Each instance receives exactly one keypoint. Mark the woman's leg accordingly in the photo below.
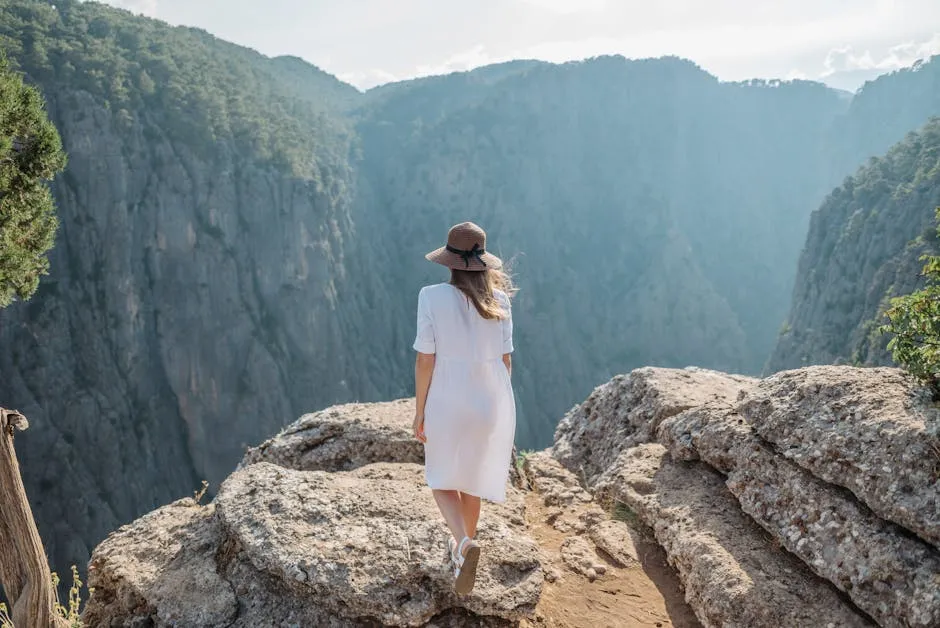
(451, 507)
(470, 506)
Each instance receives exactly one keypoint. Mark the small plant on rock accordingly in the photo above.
(201, 492)
(619, 511)
(520, 458)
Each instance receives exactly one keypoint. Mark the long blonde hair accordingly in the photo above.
(480, 287)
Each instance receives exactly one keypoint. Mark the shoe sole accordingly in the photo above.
(468, 571)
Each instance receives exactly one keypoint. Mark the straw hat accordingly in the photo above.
(465, 249)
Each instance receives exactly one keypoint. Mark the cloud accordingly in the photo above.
(466, 60)
(366, 79)
(567, 7)
(847, 59)
(904, 55)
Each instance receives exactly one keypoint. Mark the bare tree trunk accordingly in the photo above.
(24, 570)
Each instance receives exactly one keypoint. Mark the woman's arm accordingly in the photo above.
(424, 367)
(507, 360)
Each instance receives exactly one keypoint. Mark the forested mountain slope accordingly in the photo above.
(864, 247)
(632, 190)
(881, 114)
(189, 307)
(242, 238)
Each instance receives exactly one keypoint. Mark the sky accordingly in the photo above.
(370, 42)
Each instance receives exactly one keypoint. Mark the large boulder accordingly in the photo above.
(626, 411)
(371, 544)
(889, 574)
(734, 577)
(715, 464)
(330, 523)
(872, 431)
(161, 570)
(312, 548)
(344, 437)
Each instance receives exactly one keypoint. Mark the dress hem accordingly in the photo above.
(499, 500)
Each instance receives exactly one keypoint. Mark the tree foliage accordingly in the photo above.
(863, 248)
(914, 319)
(198, 89)
(30, 155)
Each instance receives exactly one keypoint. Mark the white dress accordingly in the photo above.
(470, 414)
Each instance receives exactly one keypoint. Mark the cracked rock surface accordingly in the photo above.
(358, 542)
(872, 431)
(744, 484)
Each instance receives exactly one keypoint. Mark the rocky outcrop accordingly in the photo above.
(357, 542)
(627, 410)
(753, 458)
(872, 431)
(330, 523)
(285, 547)
(883, 570)
(733, 576)
(760, 494)
(344, 437)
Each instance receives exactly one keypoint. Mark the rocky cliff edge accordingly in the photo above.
(671, 497)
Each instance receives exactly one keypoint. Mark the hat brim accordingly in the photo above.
(445, 258)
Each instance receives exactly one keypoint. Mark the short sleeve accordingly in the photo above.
(506, 323)
(424, 338)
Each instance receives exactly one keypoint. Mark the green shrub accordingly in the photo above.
(914, 320)
(30, 155)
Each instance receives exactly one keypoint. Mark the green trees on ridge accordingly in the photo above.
(202, 89)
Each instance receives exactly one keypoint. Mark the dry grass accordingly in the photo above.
(70, 613)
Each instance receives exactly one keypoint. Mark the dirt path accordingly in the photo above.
(600, 571)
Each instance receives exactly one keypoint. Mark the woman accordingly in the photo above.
(466, 415)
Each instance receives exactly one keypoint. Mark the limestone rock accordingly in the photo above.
(560, 489)
(869, 430)
(616, 538)
(161, 570)
(625, 412)
(363, 547)
(344, 437)
(556, 485)
(734, 577)
(890, 575)
(580, 557)
(281, 547)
